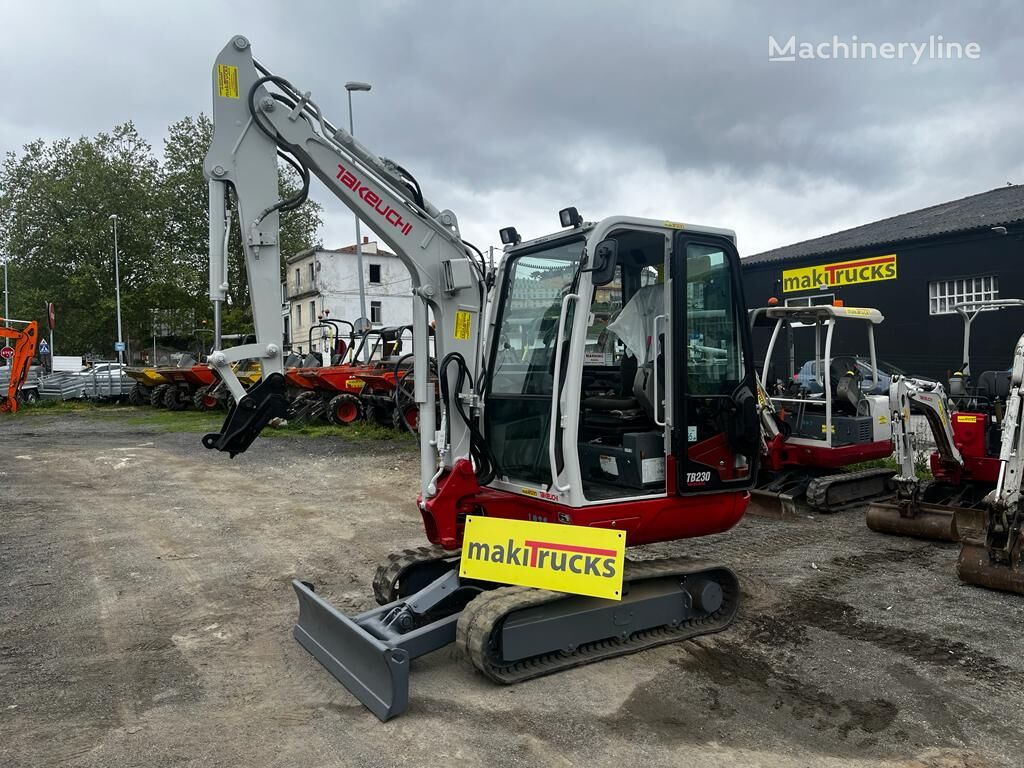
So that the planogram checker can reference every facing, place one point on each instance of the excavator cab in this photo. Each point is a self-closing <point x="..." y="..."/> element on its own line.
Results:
<point x="629" y="384"/>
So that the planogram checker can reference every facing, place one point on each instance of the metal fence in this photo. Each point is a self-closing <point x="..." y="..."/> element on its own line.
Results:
<point x="100" y="382"/>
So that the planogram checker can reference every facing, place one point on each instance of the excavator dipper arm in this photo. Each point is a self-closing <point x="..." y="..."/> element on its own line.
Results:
<point x="259" y="116"/>
<point x="910" y="513"/>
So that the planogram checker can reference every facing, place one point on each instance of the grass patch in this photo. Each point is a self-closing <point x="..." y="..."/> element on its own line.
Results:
<point x="163" y="420"/>
<point x="52" y="407"/>
<point x="174" y="421"/>
<point x="921" y="467"/>
<point x="360" y="430"/>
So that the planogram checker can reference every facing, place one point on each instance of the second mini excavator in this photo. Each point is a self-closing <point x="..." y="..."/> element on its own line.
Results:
<point x="655" y="435"/>
<point x="822" y="418"/>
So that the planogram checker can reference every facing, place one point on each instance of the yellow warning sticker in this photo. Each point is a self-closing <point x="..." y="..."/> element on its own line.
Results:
<point x="883" y="420"/>
<point x="354" y="383"/>
<point x="965" y="419"/>
<point x="227" y="81"/>
<point x="463" y="325"/>
<point x="563" y="558"/>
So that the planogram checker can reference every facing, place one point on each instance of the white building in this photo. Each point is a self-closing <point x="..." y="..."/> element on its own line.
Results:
<point x="319" y="279"/>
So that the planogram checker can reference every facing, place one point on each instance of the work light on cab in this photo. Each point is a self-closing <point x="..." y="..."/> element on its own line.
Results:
<point x="570" y="217"/>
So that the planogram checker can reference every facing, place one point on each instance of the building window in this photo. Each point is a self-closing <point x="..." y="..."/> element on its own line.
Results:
<point x="298" y="315"/>
<point x="818" y="300"/>
<point x="298" y="279"/>
<point x="287" y="337"/>
<point x="943" y="295"/>
<point x="375" y="312"/>
<point x="375" y="274"/>
<point x="312" y="274"/>
<point x="312" y="311"/>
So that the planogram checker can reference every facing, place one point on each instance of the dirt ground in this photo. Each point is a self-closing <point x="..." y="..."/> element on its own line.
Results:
<point x="146" y="613"/>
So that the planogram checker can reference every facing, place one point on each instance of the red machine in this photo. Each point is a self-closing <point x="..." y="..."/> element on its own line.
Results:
<point x="25" y="342"/>
<point x="826" y="415"/>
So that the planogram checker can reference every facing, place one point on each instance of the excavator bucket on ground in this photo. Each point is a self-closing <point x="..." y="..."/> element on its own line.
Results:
<point x="918" y="520"/>
<point x="991" y="549"/>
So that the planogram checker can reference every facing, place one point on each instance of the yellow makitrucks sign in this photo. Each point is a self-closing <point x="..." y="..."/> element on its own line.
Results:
<point x="840" y="273"/>
<point x="563" y="558"/>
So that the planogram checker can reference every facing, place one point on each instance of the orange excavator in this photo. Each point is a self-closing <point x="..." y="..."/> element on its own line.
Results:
<point x="24" y="348"/>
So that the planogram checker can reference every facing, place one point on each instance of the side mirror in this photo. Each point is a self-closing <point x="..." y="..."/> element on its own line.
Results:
<point x="606" y="256"/>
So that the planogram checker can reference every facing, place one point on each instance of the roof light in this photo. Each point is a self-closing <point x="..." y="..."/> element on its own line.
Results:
<point x="509" y="236"/>
<point x="570" y="217"/>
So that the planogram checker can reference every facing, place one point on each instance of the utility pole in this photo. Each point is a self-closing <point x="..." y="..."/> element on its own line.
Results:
<point x="117" y="292"/>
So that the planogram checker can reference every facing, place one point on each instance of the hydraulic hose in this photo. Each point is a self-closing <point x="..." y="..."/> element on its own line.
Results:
<point x="483" y="457"/>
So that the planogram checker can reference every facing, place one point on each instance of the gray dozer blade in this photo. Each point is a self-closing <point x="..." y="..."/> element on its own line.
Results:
<point x="373" y="672"/>
<point x="920" y="520"/>
<point x="370" y="654"/>
<point x="781" y="506"/>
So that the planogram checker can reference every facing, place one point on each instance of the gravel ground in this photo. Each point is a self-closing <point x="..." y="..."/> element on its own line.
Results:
<point x="146" y="621"/>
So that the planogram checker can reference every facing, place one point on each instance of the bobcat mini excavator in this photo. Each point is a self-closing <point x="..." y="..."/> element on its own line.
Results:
<point x="655" y="435"/>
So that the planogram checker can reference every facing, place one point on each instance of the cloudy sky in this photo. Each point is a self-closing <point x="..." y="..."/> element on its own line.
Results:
<point x="507" y="111"/>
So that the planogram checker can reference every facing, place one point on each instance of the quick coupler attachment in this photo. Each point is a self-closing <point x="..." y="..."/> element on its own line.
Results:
<point x="267" y="400"/>
<point x="370" y="654"/>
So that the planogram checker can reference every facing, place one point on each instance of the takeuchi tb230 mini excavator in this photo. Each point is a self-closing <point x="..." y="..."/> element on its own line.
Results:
<point x="598" y="377"/>
<point x="25" y="341"/>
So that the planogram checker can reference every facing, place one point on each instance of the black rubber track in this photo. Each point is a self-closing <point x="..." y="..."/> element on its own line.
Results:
<point x="483" y="617"/>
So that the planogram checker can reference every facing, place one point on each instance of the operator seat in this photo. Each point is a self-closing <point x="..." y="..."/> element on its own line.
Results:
<point x="846" y="391"/>
<point x="994" y="385"/>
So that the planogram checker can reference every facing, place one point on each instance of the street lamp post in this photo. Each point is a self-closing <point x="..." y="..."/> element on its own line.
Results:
<point x="357" y="86"/>
<point x="117" y="293"/>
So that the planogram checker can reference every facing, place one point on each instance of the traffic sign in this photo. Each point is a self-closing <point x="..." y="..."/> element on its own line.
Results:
<point x="119" y="346"/>
<point x="50" y="317"/>
<point x="44" y="348"/>
<point x="7" y="353"/>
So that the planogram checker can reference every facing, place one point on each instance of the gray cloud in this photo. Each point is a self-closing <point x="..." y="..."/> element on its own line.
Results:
<point x="508" y="111"/>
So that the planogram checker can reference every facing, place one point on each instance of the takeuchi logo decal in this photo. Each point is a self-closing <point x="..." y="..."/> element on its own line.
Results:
<point x="372" y="199"/>
<point x="840" y="273"/>
<point x="588" y="561"/>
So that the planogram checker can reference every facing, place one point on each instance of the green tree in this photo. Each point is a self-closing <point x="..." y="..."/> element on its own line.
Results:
<point x="55" y="202"/>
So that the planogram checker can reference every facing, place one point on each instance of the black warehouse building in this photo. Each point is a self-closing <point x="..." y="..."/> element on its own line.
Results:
<point x="913" y="268"/>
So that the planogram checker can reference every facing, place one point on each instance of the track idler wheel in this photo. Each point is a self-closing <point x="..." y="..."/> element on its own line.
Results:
<point x="344" y="409"/>
<point x="407" y="572"/>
